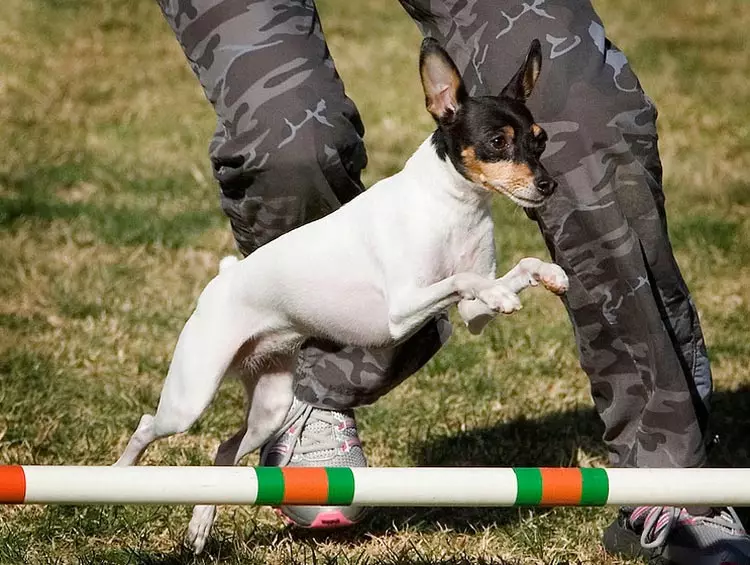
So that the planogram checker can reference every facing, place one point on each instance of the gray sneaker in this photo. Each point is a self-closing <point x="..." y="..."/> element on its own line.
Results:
<point x="312" y="437"/>
<point x="666" y="535"/>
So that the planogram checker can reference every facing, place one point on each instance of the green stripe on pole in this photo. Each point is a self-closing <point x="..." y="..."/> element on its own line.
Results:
<point x="340" y="485"/>
<point x="595" y="487"/>
<point x="529" y="480"/>
<point x="270" y="485"/>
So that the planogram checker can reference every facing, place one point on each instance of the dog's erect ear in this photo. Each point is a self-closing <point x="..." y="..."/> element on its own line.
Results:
<point x="522" y="83"/>
<point x="444" y="91"/>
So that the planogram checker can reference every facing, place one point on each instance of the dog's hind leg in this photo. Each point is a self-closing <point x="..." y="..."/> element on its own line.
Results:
<point x="270" y="397"/>
<point x="203" y="353"/>
<point x="205" y="514"/>
<point x="142" y="437"/>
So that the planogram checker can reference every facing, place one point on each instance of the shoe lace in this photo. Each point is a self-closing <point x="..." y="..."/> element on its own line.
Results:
<point x="316" y="425"/>
<point x="658" y="522"/>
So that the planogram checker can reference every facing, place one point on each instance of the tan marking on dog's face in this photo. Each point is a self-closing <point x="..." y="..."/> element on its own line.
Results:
<point x="510" y="132"/>
<point x="536" y="130"/>
<point x="498" y="175"/>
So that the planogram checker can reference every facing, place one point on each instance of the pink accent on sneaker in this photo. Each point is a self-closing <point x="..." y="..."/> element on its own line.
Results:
<point x="345" y="424"/>
<point x="329" y="519"/>
<point x="348" y="444"/>
<point x="685" y="518"/>
<point x="639" y="511"/>
<point x="653" y="512"/>
<point x="279" y="449"/>
<point x="661" y="522"/>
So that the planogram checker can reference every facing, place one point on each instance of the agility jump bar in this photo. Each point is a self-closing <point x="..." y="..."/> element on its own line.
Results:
<point x="341" y="486"/>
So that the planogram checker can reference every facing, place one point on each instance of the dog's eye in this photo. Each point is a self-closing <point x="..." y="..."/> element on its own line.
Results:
<point x="499" y="142"/>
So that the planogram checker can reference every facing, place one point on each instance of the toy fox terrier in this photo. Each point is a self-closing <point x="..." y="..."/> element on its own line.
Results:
<point x="371" y="273"/>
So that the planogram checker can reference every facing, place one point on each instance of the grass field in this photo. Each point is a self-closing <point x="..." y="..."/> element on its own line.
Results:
<point x="110" y="226"/>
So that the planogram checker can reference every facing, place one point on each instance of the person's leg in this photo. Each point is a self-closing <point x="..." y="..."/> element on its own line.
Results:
<point x="287" y="150"/>
<point x="637" y="330"/>
<point x="288" y="143"/>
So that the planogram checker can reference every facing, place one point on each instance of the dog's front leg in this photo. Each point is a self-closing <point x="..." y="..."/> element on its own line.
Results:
<point x="531" y="271"/>
<point x="410" y="309"/>
<point x="528" y="272"/>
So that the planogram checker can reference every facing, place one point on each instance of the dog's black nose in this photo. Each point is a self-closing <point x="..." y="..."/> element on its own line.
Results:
<point x="546" y="186"/>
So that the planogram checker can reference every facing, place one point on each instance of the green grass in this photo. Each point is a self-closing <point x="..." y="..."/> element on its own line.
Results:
<point x="110" y="226"/>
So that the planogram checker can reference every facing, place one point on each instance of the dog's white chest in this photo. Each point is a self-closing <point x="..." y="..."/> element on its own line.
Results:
<point x="472" y="250"/>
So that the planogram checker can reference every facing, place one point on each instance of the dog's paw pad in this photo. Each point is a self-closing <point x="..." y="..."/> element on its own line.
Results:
<point x="554" y="279"/>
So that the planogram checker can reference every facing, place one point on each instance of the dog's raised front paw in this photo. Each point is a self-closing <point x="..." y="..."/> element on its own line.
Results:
<point x="553" y="278"/>
<point x="200" y="526"/>
<point x="500" y="298"/>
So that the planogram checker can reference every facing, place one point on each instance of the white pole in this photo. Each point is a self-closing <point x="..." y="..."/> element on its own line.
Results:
<point x="465" y="486"/>
<point x="140" y="485"/>
<point x="679" y="487"/>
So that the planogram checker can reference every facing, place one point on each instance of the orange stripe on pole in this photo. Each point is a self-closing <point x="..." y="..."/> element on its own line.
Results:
<point x="305" y="485"/>
<point x="561" y="486"/>
<point x="12" y="484"/>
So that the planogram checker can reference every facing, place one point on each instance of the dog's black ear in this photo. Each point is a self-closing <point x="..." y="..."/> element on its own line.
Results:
<point x="522" y="83"/>
<point x="444" y="91"/>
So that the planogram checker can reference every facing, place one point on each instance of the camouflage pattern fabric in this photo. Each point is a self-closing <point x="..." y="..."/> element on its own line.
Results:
<point x="636" y="327"/>
<point x="288" y="149"/>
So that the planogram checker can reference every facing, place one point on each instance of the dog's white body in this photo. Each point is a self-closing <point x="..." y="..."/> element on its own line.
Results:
<point x="362" y="275"/>
<point x="370" y="274"/>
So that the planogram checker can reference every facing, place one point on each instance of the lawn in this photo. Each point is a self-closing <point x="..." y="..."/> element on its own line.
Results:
<point x="110" y="226"/>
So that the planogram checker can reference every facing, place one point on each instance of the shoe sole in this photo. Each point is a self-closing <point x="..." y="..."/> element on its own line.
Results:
<point x="626" y="543"/>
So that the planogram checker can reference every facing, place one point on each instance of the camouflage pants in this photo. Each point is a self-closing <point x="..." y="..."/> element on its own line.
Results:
<point x="288" y="149"/>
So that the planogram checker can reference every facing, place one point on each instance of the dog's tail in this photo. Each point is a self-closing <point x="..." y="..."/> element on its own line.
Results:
<point x="227" y="262"/>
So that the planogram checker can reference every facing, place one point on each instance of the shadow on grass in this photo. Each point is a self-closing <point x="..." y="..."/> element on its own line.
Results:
<point x="524" y="442"/>
<point x="544" y="442"/>
<point x="36" y="196"/>
<point x="302" y="550"/>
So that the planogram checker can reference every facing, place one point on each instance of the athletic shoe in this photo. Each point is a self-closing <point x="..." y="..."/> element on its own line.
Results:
<point x="312" y="437"/>
<point x="666" y="535"/>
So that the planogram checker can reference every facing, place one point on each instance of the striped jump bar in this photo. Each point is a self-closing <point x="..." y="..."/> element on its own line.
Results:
<point x="423" y="486"/>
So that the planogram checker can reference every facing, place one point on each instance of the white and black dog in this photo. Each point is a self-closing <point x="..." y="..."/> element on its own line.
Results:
<point x="371" y="273"/>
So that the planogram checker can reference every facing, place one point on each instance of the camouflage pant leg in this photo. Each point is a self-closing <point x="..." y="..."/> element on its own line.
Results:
<point x="287" y="150"/>
<point x="637" y="330"/>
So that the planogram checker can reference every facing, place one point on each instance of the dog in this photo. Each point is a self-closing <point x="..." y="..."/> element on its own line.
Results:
<point x="371" y="273"/>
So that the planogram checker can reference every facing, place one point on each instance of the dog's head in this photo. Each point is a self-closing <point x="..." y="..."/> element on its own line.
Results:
<point x="491" y="140"/>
